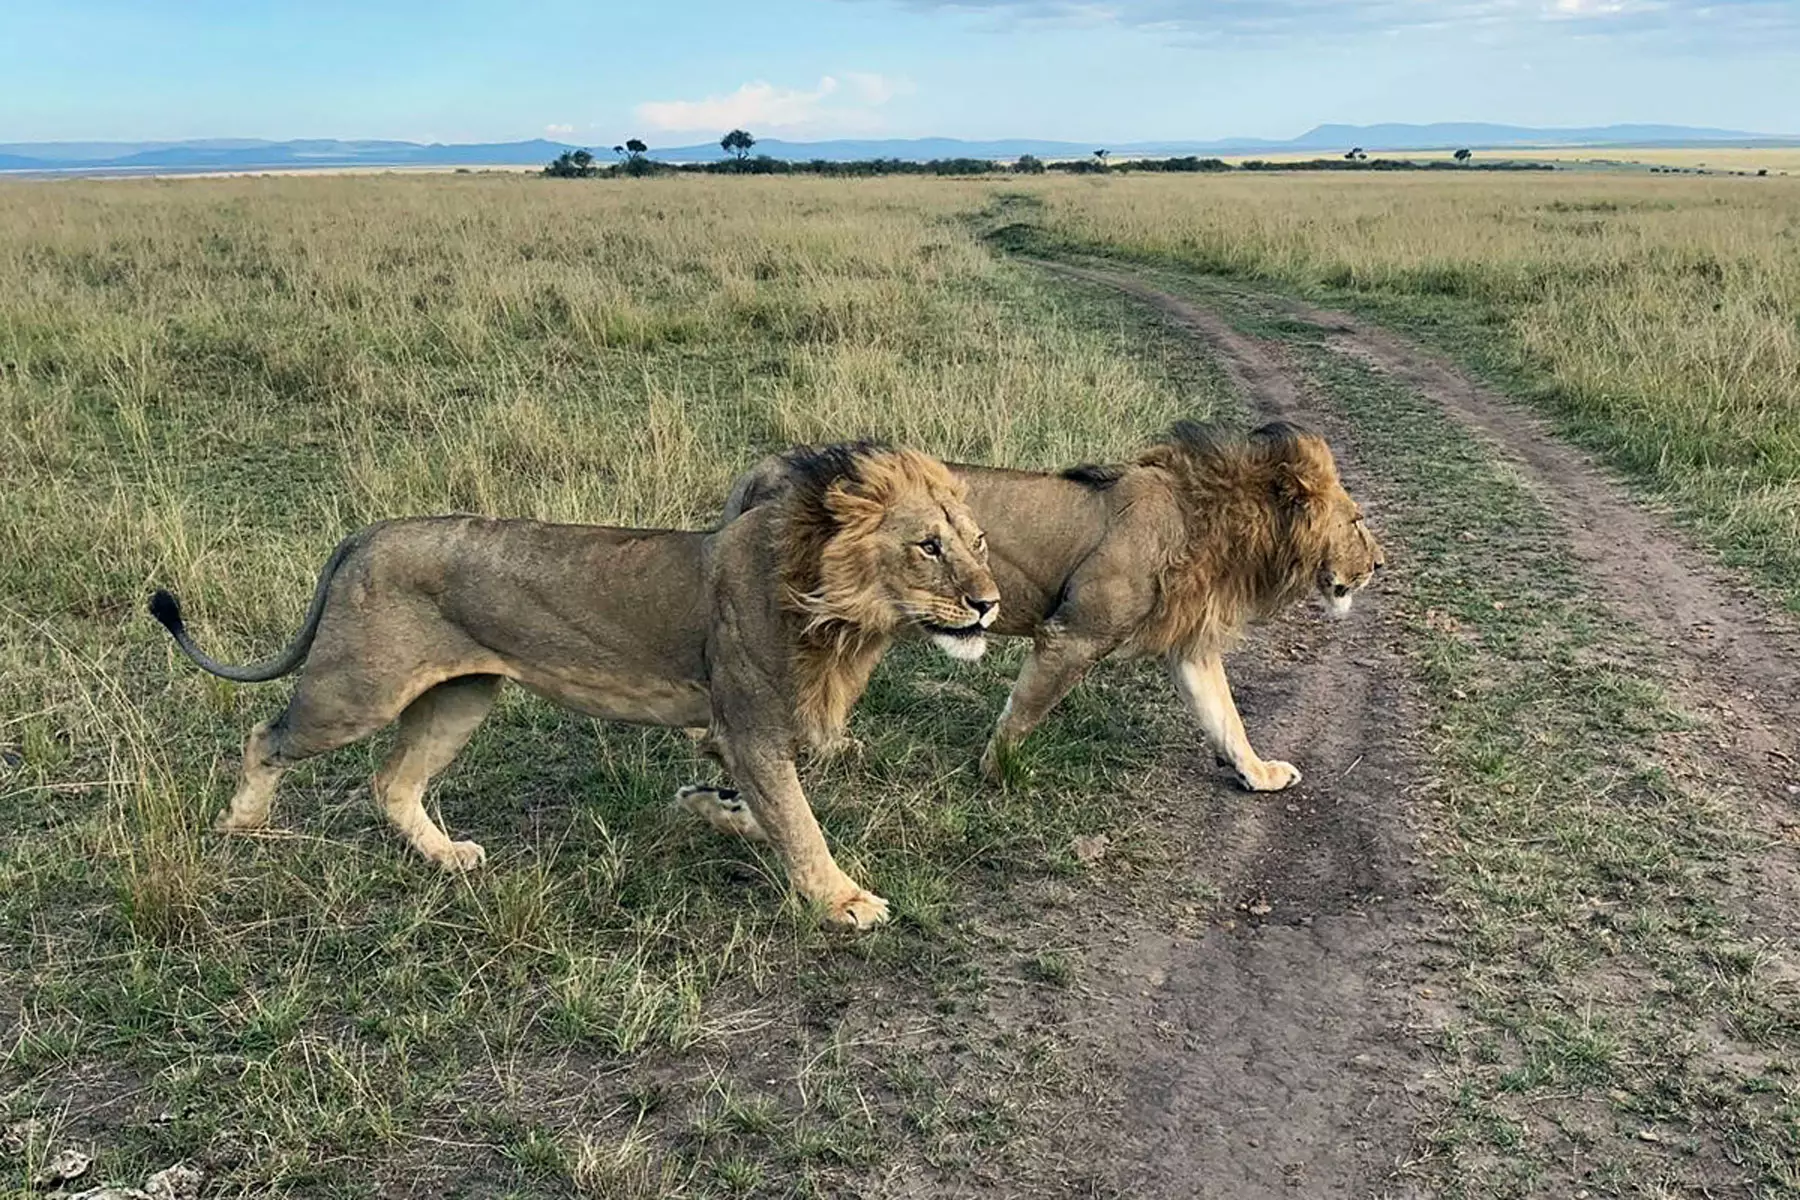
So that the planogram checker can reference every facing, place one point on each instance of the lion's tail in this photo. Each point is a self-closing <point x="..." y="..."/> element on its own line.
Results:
<point x="167" y="609"/>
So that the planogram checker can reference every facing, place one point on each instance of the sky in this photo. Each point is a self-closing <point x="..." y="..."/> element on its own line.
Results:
<point x="683" y="71"/>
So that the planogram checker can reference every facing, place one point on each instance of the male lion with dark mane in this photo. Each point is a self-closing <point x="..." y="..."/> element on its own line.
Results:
<point x="1172" y="555"/>
<point x="764" y="631"/>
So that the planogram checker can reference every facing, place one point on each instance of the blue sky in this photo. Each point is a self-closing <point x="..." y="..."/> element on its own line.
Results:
<point x="685" y="70"/>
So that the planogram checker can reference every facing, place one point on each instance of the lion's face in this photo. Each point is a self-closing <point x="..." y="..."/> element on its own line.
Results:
<point x="935" y="561"/>
<point x="1352" y="555"/>
<point x="906" y="525"/>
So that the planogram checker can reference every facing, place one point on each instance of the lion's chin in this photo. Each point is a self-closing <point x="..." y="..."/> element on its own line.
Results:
<point x="964" y="647"/>
<point x="1338" y="607"/>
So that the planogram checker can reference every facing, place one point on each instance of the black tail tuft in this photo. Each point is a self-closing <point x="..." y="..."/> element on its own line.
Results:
<point x="167" y="609"/>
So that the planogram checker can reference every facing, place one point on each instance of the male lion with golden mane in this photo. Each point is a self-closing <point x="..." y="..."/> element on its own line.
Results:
<point x="764" y="631"/>
<point x="1171" y="555"/>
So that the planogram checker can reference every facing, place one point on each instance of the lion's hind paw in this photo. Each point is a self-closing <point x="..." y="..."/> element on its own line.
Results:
<point x="721" y="807"/>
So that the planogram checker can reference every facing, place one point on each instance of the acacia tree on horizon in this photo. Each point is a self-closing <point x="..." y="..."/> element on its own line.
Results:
<point x="632" y="156"/>
<point x="738" y="142"/>
<point x="1464" y="155"/>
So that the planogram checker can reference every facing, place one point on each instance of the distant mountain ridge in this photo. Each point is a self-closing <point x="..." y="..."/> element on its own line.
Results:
<point x="241" y="154"/>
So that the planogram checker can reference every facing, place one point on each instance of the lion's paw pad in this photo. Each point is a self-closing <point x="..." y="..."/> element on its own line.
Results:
<point x="721" y="807"/>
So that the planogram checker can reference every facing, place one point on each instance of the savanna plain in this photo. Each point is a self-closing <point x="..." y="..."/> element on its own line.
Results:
<point x="1567" y="849"/>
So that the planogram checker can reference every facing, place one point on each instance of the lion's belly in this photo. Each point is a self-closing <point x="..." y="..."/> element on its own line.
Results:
<point x="624" y="697"/>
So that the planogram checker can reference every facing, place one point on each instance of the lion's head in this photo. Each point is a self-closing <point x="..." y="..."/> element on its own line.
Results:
<point x="1268" y="521"/>
<point x="882" y="540"/>
<point x="1327" y="533"/>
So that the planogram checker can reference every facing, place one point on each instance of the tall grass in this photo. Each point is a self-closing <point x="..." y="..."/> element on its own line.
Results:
<point x="1659" y="316"/>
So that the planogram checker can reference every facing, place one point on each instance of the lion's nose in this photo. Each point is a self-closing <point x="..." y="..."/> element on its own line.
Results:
<point x="981" y="607"/>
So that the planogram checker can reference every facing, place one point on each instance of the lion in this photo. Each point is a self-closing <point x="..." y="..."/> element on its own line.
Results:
<point x="764" y="632"/>
<point x="1171" y="555"/>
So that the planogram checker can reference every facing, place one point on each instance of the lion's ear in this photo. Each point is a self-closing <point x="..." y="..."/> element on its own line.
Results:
<point x="1295" y="485"/>
<point x="848" y="505"/>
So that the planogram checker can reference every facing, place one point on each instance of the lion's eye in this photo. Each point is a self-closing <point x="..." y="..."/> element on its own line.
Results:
<point x="932" y="547"/>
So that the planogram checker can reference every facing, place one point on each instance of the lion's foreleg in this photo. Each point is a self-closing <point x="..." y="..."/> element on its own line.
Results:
<point x="779" y="808"/>
<point x="1054" y="666"/>
<point x="1204" y="688"/>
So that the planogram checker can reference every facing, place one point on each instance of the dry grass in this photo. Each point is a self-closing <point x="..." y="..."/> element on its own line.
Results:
<point x="1660" y="317"/>
<point x="1773" y="159"/>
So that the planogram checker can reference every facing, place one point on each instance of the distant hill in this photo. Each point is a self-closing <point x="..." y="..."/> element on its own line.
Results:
<point x="246" y="155"/>
<point x="1449" y="136"/>
<point x="226" y="154"/>
<point x="1321" y="138"/>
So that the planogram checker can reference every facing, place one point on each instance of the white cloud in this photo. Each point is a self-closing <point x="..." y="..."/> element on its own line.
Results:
<point x="838" y="104"/>
<point x="1595" y="8"/>
<point x="559" y="130"/>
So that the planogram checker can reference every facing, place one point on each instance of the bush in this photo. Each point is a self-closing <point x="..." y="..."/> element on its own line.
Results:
<point x="1187" y="162"/>
<point x="572" y="164"/>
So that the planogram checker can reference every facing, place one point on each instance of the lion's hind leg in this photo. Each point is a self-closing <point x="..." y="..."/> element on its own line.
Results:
<point x="320" y="716"/>
<point x="257" y="778"/>
<point x="1055" y="665"/>
<point x="725" y="809"/>
<point x="433" y="730"/>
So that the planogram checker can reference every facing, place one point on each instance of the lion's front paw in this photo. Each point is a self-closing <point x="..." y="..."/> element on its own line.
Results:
<point x="860" y="910"/>
<point x="1268" y="775"/>
<point x="1000" y="761"/>
<point x="461" y="856"/>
